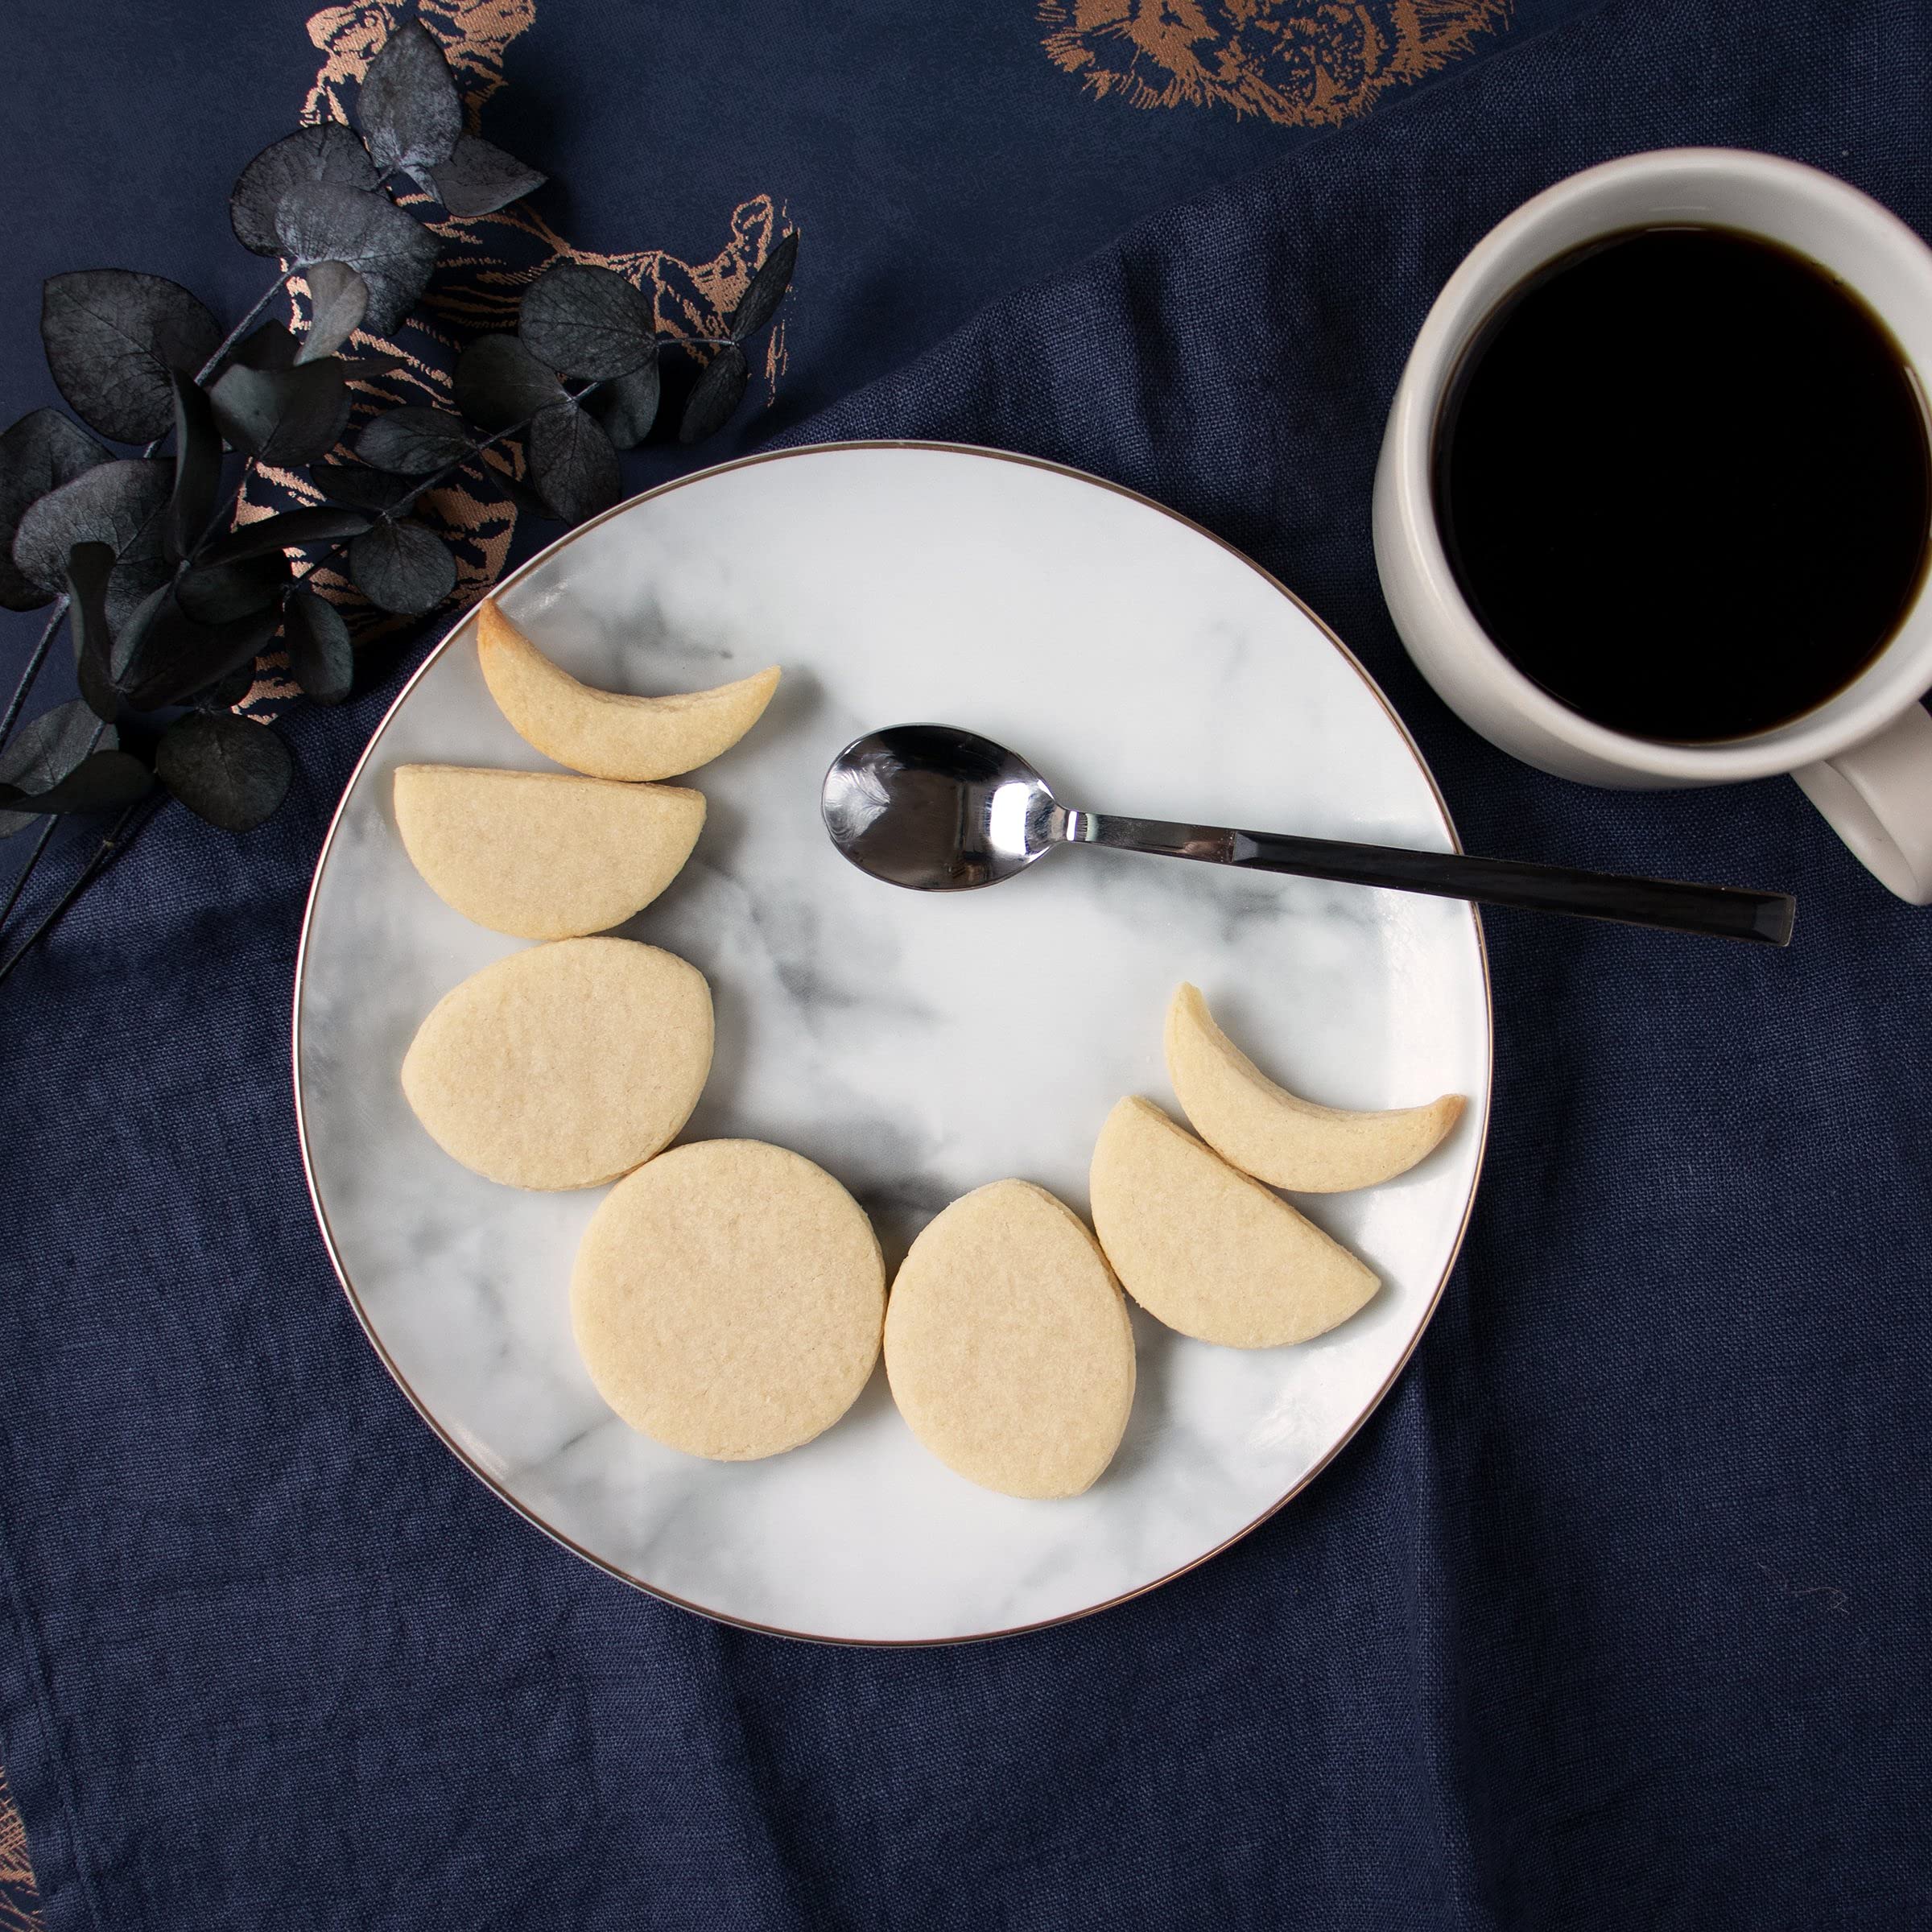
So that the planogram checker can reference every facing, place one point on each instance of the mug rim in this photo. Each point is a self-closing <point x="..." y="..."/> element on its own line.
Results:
<point x="1900" y="671"/>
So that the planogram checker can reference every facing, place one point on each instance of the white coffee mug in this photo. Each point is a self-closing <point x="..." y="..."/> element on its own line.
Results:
<point x="1863" y="757"/>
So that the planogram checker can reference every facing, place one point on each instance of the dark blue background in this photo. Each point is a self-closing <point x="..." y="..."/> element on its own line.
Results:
<point x="1614" y="1616"/>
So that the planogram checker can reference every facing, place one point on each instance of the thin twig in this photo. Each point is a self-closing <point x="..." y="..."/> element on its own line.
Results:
<point x="104" y="854"/>
<point x="33" y="859"/>
<point x="404" y="504"/>
<point x="33" y="669"/>
<point x="241" y="327"/>
<point x="227" y="342"/>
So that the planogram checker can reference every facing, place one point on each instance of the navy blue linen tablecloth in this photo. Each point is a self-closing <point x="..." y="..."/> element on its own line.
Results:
<point x="1616" y="1615"/>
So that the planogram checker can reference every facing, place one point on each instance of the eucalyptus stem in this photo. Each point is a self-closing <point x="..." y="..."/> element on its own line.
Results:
<point x="228" y="342"/>
<point x="33" y="668"/>
<point x="104" y="854"/>
<point x="241" y="327"/>
<point x="26" y="872"/>
<point x="403" y="504"/>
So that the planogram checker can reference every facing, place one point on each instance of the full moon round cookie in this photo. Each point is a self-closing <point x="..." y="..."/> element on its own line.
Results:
<point x="1008" y="1345"/>
<point x="564" y="1066"/>
<point x="727" y="1299"/>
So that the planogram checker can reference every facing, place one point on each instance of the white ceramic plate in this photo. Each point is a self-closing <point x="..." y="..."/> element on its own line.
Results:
<point x="917" y="1046"/>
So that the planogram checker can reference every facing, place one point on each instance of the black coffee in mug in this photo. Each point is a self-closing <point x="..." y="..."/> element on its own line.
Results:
<point x="1683" y="480"/>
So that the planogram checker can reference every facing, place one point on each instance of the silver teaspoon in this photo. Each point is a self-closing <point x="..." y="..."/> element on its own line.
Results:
<point x="937" y="809"/>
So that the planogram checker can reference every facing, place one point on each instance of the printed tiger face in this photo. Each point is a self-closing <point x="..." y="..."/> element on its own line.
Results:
<point x="1300" y="63"/>
<point x="475" y="35"/>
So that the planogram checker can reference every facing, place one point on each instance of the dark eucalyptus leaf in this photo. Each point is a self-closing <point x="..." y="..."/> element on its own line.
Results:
<point x="521" y="492"/>
<point x="224" y="769"/>
<point x="102" y="782"/>
<point x="48" y="747"/>
<point x="327" y="151"/>
<point x="282" y="415"/>
<point x="338" y="300"/>
<point x="371" y="489"/>
<point x="197" y="467"/>
<point x="320" y="655"/>
<point x="409" y="106"/>
<point x="760" y="302"/>
<point x="500" y="383"/>
<point x="478" y="179"/>
<point x="45" y="750"/>
<point x="365" y="368"/>
<point x="131" y="641"/>
<point x="89" y="568"/>
<point x="291" y="528"/>
<point x="572" y="463"/>
<point x="218" y="594"/>
<point x="113" y="336"/>
<point x="717" y="392"/>
<point x="403" y="566"/>
<point x="324" y="221"/>
<point x="122" y="504"/>
<point x="177" y="657"/>
<point x="273" y="345"/>
<point x="41" y="452"/>
<point x="135" y="579"/>
<point x="225" y="693"/>
<point x="414" y="441"/>
<point x="628" y="407"/>
<point x="588" y="322"/>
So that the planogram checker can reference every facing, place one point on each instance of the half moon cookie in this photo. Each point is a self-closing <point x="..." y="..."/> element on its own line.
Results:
<point x="604" y="733"/>
<point x="1207" y="1251"/>
<point x="564" y="1066"/>
<point x="727" y="1299"/>
<point x="543" y="855"/>
<point x="1008" y="1343"/>
<point x="1277" y="1136"/>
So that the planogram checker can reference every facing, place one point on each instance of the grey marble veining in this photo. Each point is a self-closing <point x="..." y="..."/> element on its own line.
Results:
<point x="917" y="1046"/>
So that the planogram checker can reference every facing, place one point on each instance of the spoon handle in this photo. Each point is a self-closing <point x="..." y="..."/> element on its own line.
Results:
<point x="1725" y="912"/>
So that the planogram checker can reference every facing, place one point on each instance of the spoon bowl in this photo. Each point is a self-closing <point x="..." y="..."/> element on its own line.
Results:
<point x="938" y="810"/>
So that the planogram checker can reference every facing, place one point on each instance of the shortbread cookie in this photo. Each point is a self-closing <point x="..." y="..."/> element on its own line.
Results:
<point x="1205" y="1249"/>
<point x="727" y="1299"/>
<point x="543" y="855"/>
<point x="1008" y="1343"/>
<point x="604" y="733"/>
<point x="1277" y="1136"/>
<point x="563" y="1065"/>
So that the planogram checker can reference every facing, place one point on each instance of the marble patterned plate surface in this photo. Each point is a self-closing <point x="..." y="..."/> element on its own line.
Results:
<point x="916" y="1046"/>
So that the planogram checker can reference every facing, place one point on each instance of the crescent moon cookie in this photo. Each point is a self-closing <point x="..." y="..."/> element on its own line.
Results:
<point x="604" y="733"/>
<point x="1008" y="1345"/>
<point x="543" y="855"/>
<point x="1207" y="1251"/>
<point x="563" y="1065"/>
<point x="727" y="1299"/>
<point x="1277" y="1136"/>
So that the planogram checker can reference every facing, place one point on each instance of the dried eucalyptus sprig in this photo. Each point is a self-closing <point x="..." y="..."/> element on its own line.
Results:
<point x="169" y="600"/>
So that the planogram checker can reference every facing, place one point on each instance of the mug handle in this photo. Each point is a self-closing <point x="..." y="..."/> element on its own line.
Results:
<point x="1878" y="797"/>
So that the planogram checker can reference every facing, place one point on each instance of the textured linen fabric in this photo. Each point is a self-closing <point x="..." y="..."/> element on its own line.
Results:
<point x="1614" y="1616"/>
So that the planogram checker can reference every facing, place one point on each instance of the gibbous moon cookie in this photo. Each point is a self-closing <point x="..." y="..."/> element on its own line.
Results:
<point x="1008" y="1343"/>
<point x="604" y="733"/>
<point x="1275" y="1135"/>
<point x="727" y="1299"/>
<point x="543" y="855"/>
<point x="1205" y="1249"/>
<point x="564" y="1066"/>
